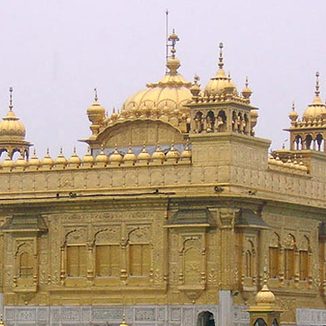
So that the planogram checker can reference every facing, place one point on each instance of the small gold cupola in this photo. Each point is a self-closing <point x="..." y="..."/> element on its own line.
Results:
<point x="96" y="114"/>
<point x="12" y="133"/>
<point x="220" y="83"/>
<point x="317" y="109"/>
<point x="309" y="132"/>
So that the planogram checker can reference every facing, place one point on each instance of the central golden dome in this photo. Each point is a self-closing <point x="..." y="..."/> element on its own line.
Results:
<point x="164" y="99"/>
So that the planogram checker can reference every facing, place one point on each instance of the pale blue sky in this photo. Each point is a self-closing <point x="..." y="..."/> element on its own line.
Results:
<point x="54" y="52"/>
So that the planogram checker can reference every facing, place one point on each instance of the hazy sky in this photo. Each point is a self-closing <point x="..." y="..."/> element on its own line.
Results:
<point x="54" y="52"/>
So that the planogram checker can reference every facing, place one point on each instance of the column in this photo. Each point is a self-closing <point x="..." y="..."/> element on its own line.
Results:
<point x="225" y="308"/>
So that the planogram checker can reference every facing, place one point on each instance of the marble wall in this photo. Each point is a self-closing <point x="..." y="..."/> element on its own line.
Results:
<point x="163" y="315"/>
<point x="105" y="315"/>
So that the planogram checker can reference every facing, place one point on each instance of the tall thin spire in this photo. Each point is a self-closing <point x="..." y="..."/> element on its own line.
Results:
<point x="220" y="59"/>
<point x="317" y="92"/>
<point x="166" y="35"/>
<point x="95" y="95"/>
<point x="10" y="98"/>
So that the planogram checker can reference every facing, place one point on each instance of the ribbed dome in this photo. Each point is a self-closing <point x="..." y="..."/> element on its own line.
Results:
<point x="11" y="127"/>
<point x="265" y="296"/>
<point x="317" y="109"/>
<point x="163" y="98"/>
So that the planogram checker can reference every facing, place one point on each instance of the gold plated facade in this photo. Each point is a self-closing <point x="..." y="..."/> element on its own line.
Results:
<point x="175" y="202"/>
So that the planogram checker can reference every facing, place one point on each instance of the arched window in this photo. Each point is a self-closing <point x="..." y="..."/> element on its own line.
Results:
<point x="320" y="140"/>
<point x="205" y="318"/>
<point x="274" y="323"/>
<point x="139" y="259"/>
<point x="210" y="121"/>
<point x="274" y="256"/>
<point x="199" y="122"/>
<point x="76" y="260"/>
<point x="245" y="124"/>
<point x="221" y="121"/>
<point x="298" y="142"/>
<point x="308" y="141"/>
<point x="239" y="122"/>
<point x="289" y="257"/>
<point x="107" y="260"/>
<point x="260" y="322"/>
<point x="25" y="265"/>
<point x="304" y="259"/>
<point x="234" y="121"/>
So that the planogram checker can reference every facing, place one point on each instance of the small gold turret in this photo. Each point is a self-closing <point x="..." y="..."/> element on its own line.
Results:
<point x="88" y="159"/>
<point x="74" y="160"/>
<point x="221" y="83"/>
<point x="143" y="157"/>
<point x="129" y="158"/>
<point x="246" y="92"/>
<point x="34" y="162"/>
<point x="47" y="161"/>
<point x="115" y="158"/>
<point x="60" y="162"/>
<point x="96" y="114"/>
<point x="101" y="159"/>
<point x="317" y="109"/>
<point x="293" y="115"/>
<point x="12" y="132"/>
<point x="195" y="87"/>
<point x="158" y="156"/>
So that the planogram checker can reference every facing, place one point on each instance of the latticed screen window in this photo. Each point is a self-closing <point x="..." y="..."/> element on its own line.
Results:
<point x="288" y="263"/>
<point x="303" y="264"/>
<point x="25" y="265"/>
<point x="273" y="262"/>
<point x="108" y="260"/>
<point x="139" y="259"/>
<point x="76" y="261"/>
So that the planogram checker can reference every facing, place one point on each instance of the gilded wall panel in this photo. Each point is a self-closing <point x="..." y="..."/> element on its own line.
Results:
<point x="79" y="180"/>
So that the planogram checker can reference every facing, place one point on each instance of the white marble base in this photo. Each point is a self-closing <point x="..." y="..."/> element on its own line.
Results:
<point x="311" y="317"/>
<point x="171" y="315"/>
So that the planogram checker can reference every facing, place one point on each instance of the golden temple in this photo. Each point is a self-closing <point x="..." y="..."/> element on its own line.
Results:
<point x="171" y="216"/>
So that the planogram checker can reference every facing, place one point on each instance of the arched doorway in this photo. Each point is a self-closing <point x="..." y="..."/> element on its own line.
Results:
<point x="205" y="318"/>
<point x="260" y="322"/>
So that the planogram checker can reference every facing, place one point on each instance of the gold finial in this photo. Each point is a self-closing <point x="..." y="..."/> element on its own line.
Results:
<point x="293" y="106"/>
<point x="61" y="151"/>
<point x="95" y="95"/>
<point x="47" y="151"/>
<point x="74" y="150"/>
<point x="173" y="38"/>
<point x="10" y="98"/>
<point x="317" y="92"/>
<point x="220" y="59"/>
<point x="247" y="82"/>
